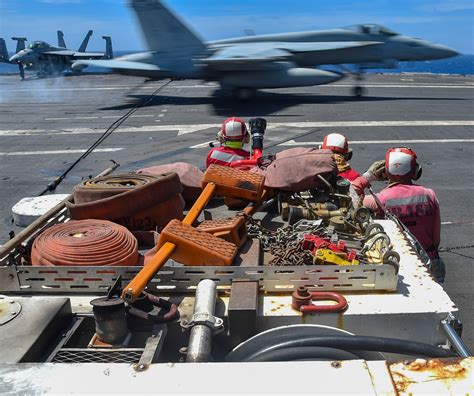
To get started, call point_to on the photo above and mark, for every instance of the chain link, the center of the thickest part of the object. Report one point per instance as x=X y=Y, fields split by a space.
x=285 y=244
x=448 y=249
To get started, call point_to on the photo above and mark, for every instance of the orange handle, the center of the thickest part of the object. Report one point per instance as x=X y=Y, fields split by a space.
x=136 y=286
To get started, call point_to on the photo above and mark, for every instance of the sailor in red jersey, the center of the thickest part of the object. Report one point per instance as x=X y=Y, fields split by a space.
x=416 y=206
x=342 y=154
x=232 y=136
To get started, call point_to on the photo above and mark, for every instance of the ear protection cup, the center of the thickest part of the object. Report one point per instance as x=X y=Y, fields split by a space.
x=417 y=171
x=349 y=155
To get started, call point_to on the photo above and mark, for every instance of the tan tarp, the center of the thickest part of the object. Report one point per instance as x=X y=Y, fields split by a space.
x=189 y=175
x=297 y=169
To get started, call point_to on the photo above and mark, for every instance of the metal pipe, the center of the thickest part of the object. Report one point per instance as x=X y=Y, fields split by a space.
x=456 y=341
x=200 y=339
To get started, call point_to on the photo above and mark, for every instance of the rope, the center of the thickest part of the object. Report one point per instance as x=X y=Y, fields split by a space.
x=114 y=126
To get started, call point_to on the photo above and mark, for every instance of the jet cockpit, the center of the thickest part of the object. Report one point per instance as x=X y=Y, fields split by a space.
x=371 y=28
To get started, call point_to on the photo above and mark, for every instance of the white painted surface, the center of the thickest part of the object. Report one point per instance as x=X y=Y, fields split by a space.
x=28 y=209
x=352 y=142
x=49 y=152
x=154 y=87
x=187 y=128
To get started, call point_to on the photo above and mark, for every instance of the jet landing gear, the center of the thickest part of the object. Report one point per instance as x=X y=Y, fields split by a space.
x=244 y=94
x=359 y=91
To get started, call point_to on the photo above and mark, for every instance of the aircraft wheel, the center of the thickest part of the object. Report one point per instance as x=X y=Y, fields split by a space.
x=359 y=91
x=244 y=94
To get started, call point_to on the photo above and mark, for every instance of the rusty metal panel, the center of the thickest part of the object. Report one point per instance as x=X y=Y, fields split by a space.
x=435 y=376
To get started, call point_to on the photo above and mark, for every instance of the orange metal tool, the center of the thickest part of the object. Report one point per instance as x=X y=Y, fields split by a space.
x=218 y=180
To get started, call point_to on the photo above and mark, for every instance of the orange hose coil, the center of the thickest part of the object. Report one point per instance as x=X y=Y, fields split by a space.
x=85 y=243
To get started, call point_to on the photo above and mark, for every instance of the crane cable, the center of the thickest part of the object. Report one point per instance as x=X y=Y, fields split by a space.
x=114 y=126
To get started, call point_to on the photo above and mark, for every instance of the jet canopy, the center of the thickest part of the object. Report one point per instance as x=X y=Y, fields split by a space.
x=372 y=28
x=38 y=45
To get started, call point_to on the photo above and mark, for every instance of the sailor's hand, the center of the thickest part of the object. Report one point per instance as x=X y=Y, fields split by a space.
x=376 y=171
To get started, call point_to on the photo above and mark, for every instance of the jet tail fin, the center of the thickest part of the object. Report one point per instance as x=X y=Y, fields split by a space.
x=20 y=43
x=163 y=30
x=109 y=52
x=3 y=51
x=61 y=42
x=85 y=42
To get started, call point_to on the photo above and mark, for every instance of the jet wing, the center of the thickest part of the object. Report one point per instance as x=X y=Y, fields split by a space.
x=118 y=65
x=257 y=55
x=74 y=54
x=246 y=56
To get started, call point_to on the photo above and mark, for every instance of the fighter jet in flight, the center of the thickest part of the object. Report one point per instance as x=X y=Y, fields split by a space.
x=46 y=60
x=246 y=64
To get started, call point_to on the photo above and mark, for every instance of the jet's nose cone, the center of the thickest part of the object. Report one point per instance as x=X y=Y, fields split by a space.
x=442 y=51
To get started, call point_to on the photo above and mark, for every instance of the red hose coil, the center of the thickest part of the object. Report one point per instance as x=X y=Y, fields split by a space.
x=85 y=243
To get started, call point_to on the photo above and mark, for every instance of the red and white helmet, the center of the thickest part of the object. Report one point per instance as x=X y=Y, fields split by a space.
x=234 y=130
x=336 y=142
x=401 y=161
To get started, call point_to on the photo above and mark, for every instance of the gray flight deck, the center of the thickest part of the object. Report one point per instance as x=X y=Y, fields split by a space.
x=42 y=122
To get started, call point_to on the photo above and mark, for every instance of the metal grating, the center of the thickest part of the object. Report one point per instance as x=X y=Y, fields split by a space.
x=86 y=280
x=73 y=355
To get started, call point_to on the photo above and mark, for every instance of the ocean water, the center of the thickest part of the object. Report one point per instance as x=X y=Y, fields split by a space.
x=461 y=64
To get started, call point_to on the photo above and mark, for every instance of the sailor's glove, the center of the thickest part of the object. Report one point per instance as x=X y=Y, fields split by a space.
x=375 y=172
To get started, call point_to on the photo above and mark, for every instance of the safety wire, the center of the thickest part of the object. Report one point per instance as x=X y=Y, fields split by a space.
x=115 y=125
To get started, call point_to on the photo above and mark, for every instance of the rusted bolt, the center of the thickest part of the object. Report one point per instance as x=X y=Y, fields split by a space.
x=11 y=276
x=141 y=367
x=336 y=364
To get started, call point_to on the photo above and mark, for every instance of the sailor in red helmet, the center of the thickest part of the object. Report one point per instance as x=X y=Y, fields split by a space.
x=339 y=145
x=417 y=207
x=232 y=136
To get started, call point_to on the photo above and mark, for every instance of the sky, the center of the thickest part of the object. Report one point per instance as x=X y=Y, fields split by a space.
x=449 y=22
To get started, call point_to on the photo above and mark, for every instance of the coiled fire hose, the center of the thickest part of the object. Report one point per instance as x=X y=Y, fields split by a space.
x=138 y=202
x=85 y=243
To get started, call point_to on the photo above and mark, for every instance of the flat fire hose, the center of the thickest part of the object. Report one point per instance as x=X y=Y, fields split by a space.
x=218 y=180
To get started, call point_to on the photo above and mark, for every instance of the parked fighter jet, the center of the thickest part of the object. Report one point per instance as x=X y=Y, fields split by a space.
x=262 y=61
x=45 y=59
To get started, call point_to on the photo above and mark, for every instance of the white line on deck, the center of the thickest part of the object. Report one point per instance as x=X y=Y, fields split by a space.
x=123 y=88
x=192 y=128
x=398 y=141
x=85 y=118
x=56 y=118
x=49 y=152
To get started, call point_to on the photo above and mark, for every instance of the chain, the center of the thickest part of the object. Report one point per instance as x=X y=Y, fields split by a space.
x=448 y=249
x=284 y=244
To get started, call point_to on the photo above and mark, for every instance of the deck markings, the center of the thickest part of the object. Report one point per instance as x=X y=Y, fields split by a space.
x=397 y=141
x=192 y=128
x=315 y=144
x=153 y=87
x=50 y=152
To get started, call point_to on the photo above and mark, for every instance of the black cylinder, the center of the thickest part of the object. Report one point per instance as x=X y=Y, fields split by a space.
x=110 y=320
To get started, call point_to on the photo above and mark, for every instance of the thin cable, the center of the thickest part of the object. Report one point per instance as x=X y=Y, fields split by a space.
x=114 y=126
